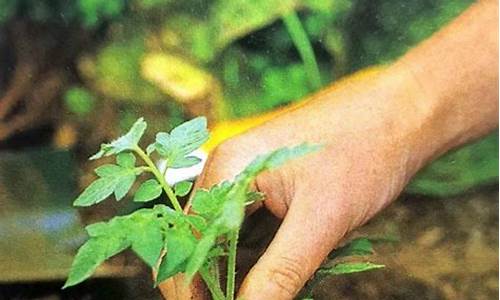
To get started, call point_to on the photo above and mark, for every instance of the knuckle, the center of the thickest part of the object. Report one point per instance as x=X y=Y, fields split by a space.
x=286 y=275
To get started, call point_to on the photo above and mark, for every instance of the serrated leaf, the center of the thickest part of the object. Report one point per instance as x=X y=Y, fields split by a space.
x=276 y=158
x=190 y=135
x=163 y=144
x=107 y=170
x=359 y=246
x=182 y=188
x=208 y=203
x=123 y=186
x=142 y=229
x=197 y=222
x=114 y=178
x=114 y=227
x=127 y=142
x=180 y=244
x=97 y=229
x=96 y=192
x=348 y=268
x=149 y=190
x=93 y=253
x=126 y=160
x=147 y=239
x=182 y=141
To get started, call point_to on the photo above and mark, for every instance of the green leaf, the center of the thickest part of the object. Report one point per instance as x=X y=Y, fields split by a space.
x=208 y=203
x=197 y=222
x=93 y=253
x=182 y=188
x=113 y=178
x=182 y=140
x=459 y=170
x=190 y=135
x=96 y=192
x=147 y=239
x=149 y=190
x=123 y=186
x=98 y=229
x=200 y=254
x=180 y=244
x=127 y=142
x=142 y=229
x=359 y=246
x=126 y=160
x=107 y=170
x=233 y=212
x=347 y=268
x=276 y=159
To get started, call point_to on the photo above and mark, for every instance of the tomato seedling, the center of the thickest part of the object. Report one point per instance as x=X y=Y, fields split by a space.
x=164 y=237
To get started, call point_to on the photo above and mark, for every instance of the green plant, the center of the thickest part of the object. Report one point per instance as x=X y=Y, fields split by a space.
x=166 y=239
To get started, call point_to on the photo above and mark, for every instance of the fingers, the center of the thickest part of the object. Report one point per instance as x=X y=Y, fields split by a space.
x=306 y=236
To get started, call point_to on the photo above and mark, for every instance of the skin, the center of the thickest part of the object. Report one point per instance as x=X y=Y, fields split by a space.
x=377 y=132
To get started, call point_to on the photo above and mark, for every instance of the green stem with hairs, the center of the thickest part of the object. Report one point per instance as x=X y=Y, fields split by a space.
x=301 y=41
x=231 y=264
x=212 y=282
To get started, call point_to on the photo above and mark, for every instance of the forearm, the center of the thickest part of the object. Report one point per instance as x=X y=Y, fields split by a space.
x=457 y=72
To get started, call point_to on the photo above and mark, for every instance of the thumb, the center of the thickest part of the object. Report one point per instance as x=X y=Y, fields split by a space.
x=306 y=236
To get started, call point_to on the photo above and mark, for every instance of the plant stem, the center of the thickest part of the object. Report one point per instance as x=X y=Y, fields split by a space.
x=161 y=179
x=212 y=283
x=143 y=169
x=307 y=291
x=231 y=264
x=301 y=41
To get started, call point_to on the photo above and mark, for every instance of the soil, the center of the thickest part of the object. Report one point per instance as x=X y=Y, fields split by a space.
x=447 y=249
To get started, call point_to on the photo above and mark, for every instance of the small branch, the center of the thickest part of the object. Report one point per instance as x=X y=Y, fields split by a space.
x=168 y=190
x=212 y=283
x=231 y=264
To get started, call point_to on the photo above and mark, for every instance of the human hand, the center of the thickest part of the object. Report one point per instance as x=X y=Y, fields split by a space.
x=365 y=162
x=377 y=131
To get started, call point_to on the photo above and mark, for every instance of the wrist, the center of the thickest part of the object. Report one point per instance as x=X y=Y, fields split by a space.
x=417 y=112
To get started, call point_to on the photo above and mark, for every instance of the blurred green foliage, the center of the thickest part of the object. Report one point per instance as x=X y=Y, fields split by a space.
x=85 y=12
x=251 y=61
x=79 y=101
x=460 y=170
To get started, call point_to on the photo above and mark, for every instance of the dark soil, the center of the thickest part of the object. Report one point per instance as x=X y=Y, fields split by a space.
x=447 y=249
